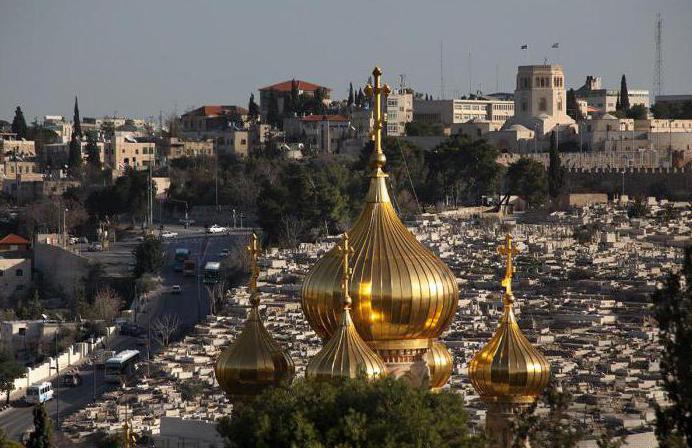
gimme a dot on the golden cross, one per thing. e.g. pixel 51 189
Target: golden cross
pixel 345 250
pixel 508 250
pixel 253 249
pixel 378 159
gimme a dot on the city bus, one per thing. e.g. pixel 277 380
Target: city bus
pixel 181 254
pixel 39 393
pixel 212 272
pixel 121 365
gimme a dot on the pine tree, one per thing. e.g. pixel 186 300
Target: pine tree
pixel 349 103
pixel 19 123
pixel 556 173
pixel 42 435
pixel 253 109
pixel 624 95
pixel 673 312
pixel 74 161
pixel 76 122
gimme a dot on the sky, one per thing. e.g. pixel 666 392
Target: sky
pixel 142 57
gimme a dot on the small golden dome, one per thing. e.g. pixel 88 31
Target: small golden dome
pixel 508 368
pixel 403 295
pixel 345 355
pixel 254 361
pixel 440 364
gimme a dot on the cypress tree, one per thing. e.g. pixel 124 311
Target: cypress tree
pixel 556 173
pixel 624 95
pixel 92 150
pixel 74 161
pixel 253 109
pixel 618 104
pixel 272 109
pixel 349 103
pixel 76 122
pixel 19 123
pixel 42 435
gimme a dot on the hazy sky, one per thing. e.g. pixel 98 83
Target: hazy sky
pixel 137 57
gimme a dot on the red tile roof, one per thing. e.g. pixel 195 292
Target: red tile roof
pixel 324 118
pixel 13 239
pixel 287 85
pixel 211 110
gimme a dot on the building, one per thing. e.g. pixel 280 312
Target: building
pixel 282 91
pixel 15 276
pixel 56 155
pixel 58 124
pixel 11 145
pixel 399 111
pixel 319 133
pixel 173 148
pixel 450 113
pixel 601 100
pixel 123 151
pixel 12 243
pixel 197 122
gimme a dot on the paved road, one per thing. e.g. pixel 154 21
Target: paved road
pixel 189 306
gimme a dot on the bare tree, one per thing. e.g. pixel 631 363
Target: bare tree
pixel 291 230
pixel 106 305
pixel 164 327
pixel 215 296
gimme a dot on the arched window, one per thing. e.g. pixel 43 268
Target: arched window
pixel 542 104
pixel 559 105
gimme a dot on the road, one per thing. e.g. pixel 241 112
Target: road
pixel 189 306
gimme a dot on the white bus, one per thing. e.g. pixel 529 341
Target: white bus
pixel 121 366
pixel 212 272
pixel 39 393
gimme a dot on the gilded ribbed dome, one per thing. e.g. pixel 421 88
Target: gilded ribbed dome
pixel 508 368
pixel 440 364
pixel 345 355
pixel 254 361
pixel 403 295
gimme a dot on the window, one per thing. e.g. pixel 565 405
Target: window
pixel 19 272
pixel 243 141
pixel 559 105
pixel 542 104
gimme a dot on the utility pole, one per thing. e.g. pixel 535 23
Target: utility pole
pixel 216 179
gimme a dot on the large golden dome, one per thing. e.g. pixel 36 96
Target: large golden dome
pixel 254 361
pixel 508 368
pixel 345 355
pixel 403 295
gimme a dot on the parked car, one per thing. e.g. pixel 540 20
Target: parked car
pixel 176 289
pixel 216 229
pixel 169 234
pixel 71 380
pixel 224 253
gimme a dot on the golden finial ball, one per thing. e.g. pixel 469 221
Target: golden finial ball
pixel 377 71
pixel 368 91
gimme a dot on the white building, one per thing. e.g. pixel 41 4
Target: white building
pixel 601 100
pixel 399 111
pixel 449 113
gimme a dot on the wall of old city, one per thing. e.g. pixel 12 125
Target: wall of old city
pixel 668 182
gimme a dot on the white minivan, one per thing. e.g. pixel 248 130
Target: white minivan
pixel 39 393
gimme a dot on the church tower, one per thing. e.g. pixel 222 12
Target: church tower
pixel 508 372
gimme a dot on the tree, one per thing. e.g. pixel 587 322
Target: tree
pixel 556 173
pixel 10 370
pixel 191 389
pixel 92 151
pixel 608 440
pixel 637 112
pixel 551 430
pixel 350 100
pixel 618 104
pixel 76 122
pixel 8 443
pixel 106 305
pixel 19 123
pixel 148 256
pixel 673 312
pixel 253 109
pixel 74 161
pixel 273 109
pixel 527 178
pixel 354 413
pixel 573 109
pixel 164 328
pixel 422 128
pixel 42 435
pixel 638 209
pixel 624 95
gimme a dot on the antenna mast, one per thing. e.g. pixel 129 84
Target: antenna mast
pixel 470 75
pixel 658 73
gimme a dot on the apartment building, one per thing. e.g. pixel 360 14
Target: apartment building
pixel 125 151
pixel 457 111
pixel 399 111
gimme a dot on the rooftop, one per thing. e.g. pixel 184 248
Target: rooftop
pixel 13 239
pixel 286 86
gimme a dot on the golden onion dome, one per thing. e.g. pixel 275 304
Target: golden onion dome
pixel 254 361
pixel 440 363
pixel 345 355
pixel 508 368
pixel 403 295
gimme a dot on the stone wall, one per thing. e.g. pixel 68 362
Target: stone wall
pixel 61 268
pixel 672 183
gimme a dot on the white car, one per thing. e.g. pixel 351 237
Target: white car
pixel 169 234
pixel 216 229
pixel 176 289
pixel 224 253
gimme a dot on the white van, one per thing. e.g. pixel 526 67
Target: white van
pixel 39 393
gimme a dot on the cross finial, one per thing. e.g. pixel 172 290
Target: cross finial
pixel 508 250
pixel 377 160
pixel 345 250
pixel 253 249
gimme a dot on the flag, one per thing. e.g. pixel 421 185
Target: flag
pixel 556 45
pixel 524 47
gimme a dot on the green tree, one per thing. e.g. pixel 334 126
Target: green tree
pixel 148 256
pixel 556 173
pixel 637 209
pixel 74 161
pixel 355 413
pixel 573 107
pixel 422 128
pixel 19 123
pixel 76 121
pixel 553 429
pixel 42 435
pixel 253 109
pixel 92 151
pixel 637 112
pixel 350 100
pixel 527 179
pixel 673 312
pixel 624 95
pixel 10 370
pixel 191 389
